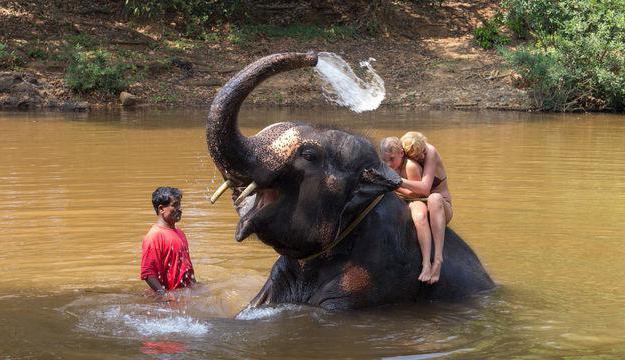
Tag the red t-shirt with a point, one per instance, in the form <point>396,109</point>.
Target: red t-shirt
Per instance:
<point>165,255</point>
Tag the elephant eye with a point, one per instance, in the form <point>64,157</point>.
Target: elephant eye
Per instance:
<point>309,154</point>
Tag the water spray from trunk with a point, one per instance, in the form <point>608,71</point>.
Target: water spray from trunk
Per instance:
<point>343,87</point>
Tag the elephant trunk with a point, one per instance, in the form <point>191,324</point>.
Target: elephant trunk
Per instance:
<point>232,152</point>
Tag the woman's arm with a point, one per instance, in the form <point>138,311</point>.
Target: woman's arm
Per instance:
<point>423,184</point>
<point>413,172</point>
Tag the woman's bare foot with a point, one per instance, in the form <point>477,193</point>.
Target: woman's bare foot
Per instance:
<point>435,273</point>
<point>425,273</point>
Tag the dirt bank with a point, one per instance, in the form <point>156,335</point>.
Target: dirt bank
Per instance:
<point>426,57</point>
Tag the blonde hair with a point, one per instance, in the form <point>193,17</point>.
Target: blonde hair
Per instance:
<point>413,143</point>
<point>390,145</point>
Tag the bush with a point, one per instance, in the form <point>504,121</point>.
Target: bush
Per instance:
<point>37,53</point>
<point>4,51</point>
<point>551,84</point>
<point>95,70</point>
<point>577,61</point>
<point>8,59</point>
<point>488,36</point>
<point>198,16</point>
<point>524,17</point>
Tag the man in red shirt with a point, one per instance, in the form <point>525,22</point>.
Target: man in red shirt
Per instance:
<point>165,261</point>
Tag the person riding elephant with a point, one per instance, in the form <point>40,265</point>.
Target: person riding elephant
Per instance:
<point>424,188</point>
<point>323,199</point>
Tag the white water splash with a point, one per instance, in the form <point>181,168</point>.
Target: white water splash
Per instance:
<point>265,312</point>
<point>344,87</point>
<point>138,320</point>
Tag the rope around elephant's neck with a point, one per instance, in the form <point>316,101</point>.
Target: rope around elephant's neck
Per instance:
<point>348,229</point>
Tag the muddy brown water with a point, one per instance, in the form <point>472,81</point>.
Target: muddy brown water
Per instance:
<point>541,199</point>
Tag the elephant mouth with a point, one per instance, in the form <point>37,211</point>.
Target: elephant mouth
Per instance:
<point>252,207</point>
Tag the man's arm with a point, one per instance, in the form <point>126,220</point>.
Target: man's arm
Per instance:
<point>150,266</point>
<point>155,285</point>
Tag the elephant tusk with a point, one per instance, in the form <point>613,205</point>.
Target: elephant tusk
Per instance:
<point>220,190</point>
<point>248,190</point>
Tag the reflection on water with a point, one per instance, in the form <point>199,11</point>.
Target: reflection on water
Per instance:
<point>539,197</point>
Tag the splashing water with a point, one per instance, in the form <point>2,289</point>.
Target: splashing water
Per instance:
<point>344,87</point>
<point>135,320</point>
<point>146,326</point>
<point>265,312</point>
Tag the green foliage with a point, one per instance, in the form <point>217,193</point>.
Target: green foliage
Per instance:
<point>198,16</point>
<point>165,99</point>
<point>8,59</point>
<point>552,85</point>
<point>534,16</point>
<point>82,40</point>
<point>211,37</point>
<point>370,27</point>
<point>488,35</point>
<point>278,97</point>
<point>4,50</point>
<point>96,70</point>
<point>37,53</point>
<point>577,61</point>
<point>180,45</point>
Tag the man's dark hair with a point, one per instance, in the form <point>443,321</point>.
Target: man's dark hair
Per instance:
<point>163,195</point>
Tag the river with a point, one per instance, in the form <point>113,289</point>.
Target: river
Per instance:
<point>539,197</point>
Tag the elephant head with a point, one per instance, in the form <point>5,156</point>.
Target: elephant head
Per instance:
<point>311,181</point>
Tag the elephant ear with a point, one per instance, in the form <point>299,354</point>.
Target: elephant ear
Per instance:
<point>373,181</point>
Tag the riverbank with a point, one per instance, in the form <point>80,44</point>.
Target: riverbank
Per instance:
<point>427,58</point>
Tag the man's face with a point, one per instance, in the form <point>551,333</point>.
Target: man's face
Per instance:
<point>171,213</point>
<point>393,159</point>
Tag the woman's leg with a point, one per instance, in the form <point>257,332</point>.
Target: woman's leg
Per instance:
<point>438,221</point>
<point>419,213</point>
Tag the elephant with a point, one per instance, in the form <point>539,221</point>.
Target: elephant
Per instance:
<point>324,200</point>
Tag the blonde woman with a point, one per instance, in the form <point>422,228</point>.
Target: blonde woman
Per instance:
<point>424,187</point>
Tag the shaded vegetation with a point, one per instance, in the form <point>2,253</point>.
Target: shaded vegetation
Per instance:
<point>233,20</point>
<point>3,50</point>
<point>37,53</point>
<point>489,34</point>
<point>576,57</point>
<point>8,58</point>
<point>199,12</point>
<point>96,70</point>
<point>569,53</point>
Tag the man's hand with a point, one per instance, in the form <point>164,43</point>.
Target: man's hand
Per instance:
<point>158,288</point>
<point>166,295</point>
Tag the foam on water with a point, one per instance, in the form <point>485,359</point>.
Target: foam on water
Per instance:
<point>343,87</point>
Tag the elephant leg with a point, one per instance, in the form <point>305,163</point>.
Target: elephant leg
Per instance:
<point>263,296</point>
<point>330,297</point>
<point>281,286</point>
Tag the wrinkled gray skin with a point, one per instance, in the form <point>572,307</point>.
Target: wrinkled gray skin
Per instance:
<point>313,182</point>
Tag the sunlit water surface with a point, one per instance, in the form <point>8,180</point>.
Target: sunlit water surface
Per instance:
<point>541,198</point>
